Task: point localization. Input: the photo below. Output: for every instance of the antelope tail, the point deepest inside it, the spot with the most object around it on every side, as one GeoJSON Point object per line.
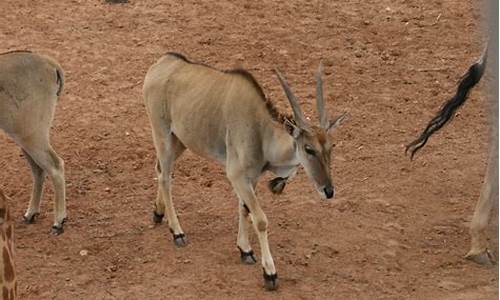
{"type": "Point", "coordinates": [467, 82]}
{"type": "Point", "coordinates": [59, 80]}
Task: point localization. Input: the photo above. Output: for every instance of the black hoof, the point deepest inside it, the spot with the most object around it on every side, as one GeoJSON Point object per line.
{"type": "Point", "coordinates": [484, 258]}
{"type": "Point", "coordinates": [180, 240]}
{"type": "Point", "coordinates": [248, 258]}
{"type": "Point", "coordinates": [277, 185]}
{"type": "Point", "coordinates": [31, 219]}
{"type": "Point", "coordinates": [157, 218]}
{"type": "Point", "coordinates": [270, 281]}
{"type": "Point", "coordinates": [57, 230]}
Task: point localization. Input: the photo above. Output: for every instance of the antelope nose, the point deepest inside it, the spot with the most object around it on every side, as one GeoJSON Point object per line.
{"type": "Point", "coordinates": [329, 192]}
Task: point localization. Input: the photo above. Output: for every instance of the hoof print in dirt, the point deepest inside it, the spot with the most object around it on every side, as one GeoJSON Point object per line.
{"type": "Point", "coordinates": [270, 281]}
{"type": "Point", "coordinates": [277, 185]}
{"type": "Point", "coordinates": [484, 258]}
{"type": "Point", "coordinates": [180, 240]}
{"type": "Point", "coordinates": [30, 220]}
{"type": "Point", "coordinates": [248, 258]}
{"type": "Point", "coordinates": [157, 218]}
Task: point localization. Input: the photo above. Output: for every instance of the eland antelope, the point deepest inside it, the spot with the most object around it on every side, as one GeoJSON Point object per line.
{"type": "Point", "coordinates": [489, 194]}
{"type": "Point", "coordinates": [29, 86]}
{"type": "Point", "coordinates": [225, 116]}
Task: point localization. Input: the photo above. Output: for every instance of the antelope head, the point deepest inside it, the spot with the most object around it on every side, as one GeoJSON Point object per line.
{"type": "Point", "coordinates": [313, 144]}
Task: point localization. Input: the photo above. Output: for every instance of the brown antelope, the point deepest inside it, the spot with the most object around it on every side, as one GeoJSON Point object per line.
{"type": "Point", "coordinates": [489, 194]}
{"type": "Point", "coordinates": [29, 86]}
{"type": "Point", "coordinates": [225, 116]}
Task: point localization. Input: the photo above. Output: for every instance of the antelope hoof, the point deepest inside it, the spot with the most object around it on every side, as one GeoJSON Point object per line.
{"type": "Point", "coordinates": [484, 258]}
{"type": "Point", "coordinates": [157, 218]}
{"type": "Point", "coordinates": [277, 185]}
{"type": "Point", "coordinates": [30, 219]}
{"type": "Point", "coordinates": [58, 229]}
{"type": "Point", "coordinates": [270, 281]}
{"type": "Point", "coordinates": [180, 240]}
{"type": "Point", "coordinates": [248, 258]}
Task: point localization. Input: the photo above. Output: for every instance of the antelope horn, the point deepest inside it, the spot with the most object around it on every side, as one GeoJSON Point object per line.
{"type": "Point", "coordinates": [297, 112]}
{"type": "Point", "coordinates": [320, 103]}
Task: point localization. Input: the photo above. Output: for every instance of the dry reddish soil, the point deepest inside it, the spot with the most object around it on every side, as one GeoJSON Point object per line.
{"type": "Point", "coordinates": [396, 229]}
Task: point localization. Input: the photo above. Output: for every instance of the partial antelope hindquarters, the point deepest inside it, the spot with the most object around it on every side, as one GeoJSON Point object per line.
{"type": "Point", "coordinates": [488, 200]}
{"type": "Point", "coordinates": [29, 87]}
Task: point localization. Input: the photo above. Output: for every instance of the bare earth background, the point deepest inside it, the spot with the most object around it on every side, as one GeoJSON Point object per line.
{"type": "Point", "coordinates": [396, 230]}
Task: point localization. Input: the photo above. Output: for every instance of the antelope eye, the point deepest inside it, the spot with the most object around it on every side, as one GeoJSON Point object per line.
{"type": "Point", "coordinates": [309, 150]}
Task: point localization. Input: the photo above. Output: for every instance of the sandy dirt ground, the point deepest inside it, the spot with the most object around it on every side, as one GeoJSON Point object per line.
{"type": "Point", "coordinates": [396, 229]}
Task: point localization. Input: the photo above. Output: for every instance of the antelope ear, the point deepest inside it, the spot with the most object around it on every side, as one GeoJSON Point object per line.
{"type": "Point", "coordinates": [292, 129]}
{"type": "Point", "coordinates": [336, 122]}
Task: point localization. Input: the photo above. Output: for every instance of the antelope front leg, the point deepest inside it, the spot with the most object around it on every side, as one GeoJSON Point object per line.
{"type": "Point", "coordinates": [246, 252]}
{"type": "Point", "coordinates": [259, 220]}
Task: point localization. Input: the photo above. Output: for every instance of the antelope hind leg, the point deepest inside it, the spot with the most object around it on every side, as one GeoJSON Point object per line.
{"type": "Point", "coordinates": [38, 179]}
{"type": "Point", "coordinates": [479, 252]}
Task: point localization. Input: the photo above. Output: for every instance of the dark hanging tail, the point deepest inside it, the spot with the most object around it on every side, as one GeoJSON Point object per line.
{"type": "Point", "coordinates": [60, 80]}
{"type": "Point", "coordinates": [468, 81]}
